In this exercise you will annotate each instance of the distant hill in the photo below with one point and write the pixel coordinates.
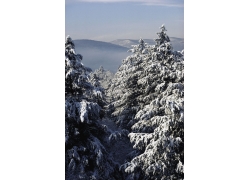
(99, 53)
(177, 43)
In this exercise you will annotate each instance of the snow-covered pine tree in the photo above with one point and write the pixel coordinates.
(85, 156)
(163, 37)
(148, 89)
(75, 73)
(104, 76)
(141, 48)
(98, 94)
(101, 79)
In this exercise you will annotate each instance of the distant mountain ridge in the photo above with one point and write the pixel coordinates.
(87, 43)
(178, 43)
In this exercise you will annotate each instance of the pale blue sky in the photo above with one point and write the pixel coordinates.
(107, 20)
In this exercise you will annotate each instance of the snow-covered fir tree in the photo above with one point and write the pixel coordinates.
(163, 37)
(141, 48)
(98, 92)
(101, 80)
(104, 76)
(148, 92)
(85, 155)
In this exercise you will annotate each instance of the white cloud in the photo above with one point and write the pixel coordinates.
(177, 3)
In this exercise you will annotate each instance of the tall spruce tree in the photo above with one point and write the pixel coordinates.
(85, 155)
(148, 92)
(124, 88)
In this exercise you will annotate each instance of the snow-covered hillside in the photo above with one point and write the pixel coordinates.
(127, 126)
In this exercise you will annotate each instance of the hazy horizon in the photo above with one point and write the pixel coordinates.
(109, 41)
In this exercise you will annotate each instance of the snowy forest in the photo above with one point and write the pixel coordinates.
(128, 125)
